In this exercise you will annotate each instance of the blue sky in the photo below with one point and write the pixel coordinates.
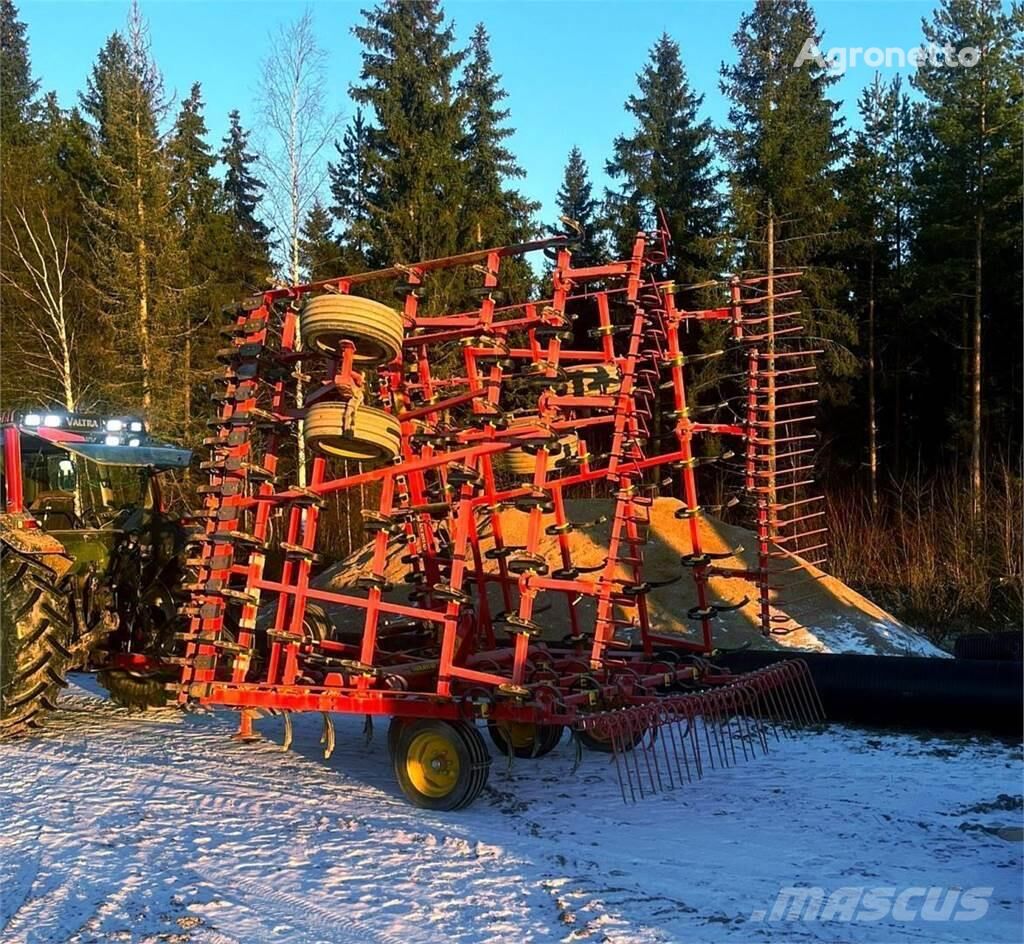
(567, 66)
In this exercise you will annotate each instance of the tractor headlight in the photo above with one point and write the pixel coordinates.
(136, 426)
(114, 426)
(133, 442)
(52, 420)
(113, 440)
(32, 419)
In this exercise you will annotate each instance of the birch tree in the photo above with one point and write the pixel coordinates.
(298, 127)
(42, 279)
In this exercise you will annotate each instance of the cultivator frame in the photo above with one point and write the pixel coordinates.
(506, 426)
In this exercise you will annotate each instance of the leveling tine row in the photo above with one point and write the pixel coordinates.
(668, 740)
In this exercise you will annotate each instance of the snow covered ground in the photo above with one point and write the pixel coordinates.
(160, 828)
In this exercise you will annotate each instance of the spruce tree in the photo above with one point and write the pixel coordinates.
(666, 164)
(494, 212)
(17, 87)
(969, 246)
(576, 202)
(207, 255)
(318, 250)
(350, 191)
(417, 179)
(139, 265)
(243, 192)
(783, 142)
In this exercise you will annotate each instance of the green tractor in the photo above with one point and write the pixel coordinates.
(90, 561)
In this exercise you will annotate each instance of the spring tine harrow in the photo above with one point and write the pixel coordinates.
(649, 739)
(438, 426)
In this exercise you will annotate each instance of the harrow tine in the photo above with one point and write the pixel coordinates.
(650, 747)
(742, 723)
(286, 744)
(578, 752)
(817, 707)
(327, 738)
(755, 701)
(368, 730)
(672, 731)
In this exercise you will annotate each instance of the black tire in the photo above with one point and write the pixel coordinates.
(543, 739)
(131, 690)
(35, 641)
(440, 765)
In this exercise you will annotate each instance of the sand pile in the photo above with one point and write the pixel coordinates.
(822, 613)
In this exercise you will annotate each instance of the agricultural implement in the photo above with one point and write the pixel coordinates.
(451, 419)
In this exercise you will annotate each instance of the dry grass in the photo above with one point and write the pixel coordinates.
(923, 555)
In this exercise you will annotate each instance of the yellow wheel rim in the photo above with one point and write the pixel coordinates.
(520, 734)
(432, 763)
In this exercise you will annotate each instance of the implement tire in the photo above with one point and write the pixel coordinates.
(35, 641)
(365, 434)
(597, 380)
(130, 690)
(522, 463)
(374, 329)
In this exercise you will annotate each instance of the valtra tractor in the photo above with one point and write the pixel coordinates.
(90, 562)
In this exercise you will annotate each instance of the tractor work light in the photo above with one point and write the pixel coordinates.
(52, 420)
(112, 441)
(133, 441)
(136, 426)
(115, 426)
(32, 419)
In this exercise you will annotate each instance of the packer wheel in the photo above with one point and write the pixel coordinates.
(523, 739)
(440, 765)
(374, 329)
(362, 433)
(599, 380)
(520, 462)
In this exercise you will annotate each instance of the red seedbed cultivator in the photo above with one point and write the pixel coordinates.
(455, 419)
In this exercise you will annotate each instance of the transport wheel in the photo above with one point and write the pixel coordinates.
(598, 380)
(522, 739)
(520, 462)
(362, 433)
(374, 329)
(35, 641)
(440, 765)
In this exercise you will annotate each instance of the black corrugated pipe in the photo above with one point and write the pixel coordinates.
(1007, 645)
(908, 691)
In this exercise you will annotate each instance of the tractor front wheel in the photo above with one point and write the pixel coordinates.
(35, 641)
(132, 690)
(440, 765)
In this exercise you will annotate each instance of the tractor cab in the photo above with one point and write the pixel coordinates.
(66, 472)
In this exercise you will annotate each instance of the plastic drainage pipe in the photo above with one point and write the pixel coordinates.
(907, 691)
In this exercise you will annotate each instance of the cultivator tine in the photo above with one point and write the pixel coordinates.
(327, 738)
(286, 744)
(368, 730)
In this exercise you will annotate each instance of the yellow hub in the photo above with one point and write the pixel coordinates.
(432, 763)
